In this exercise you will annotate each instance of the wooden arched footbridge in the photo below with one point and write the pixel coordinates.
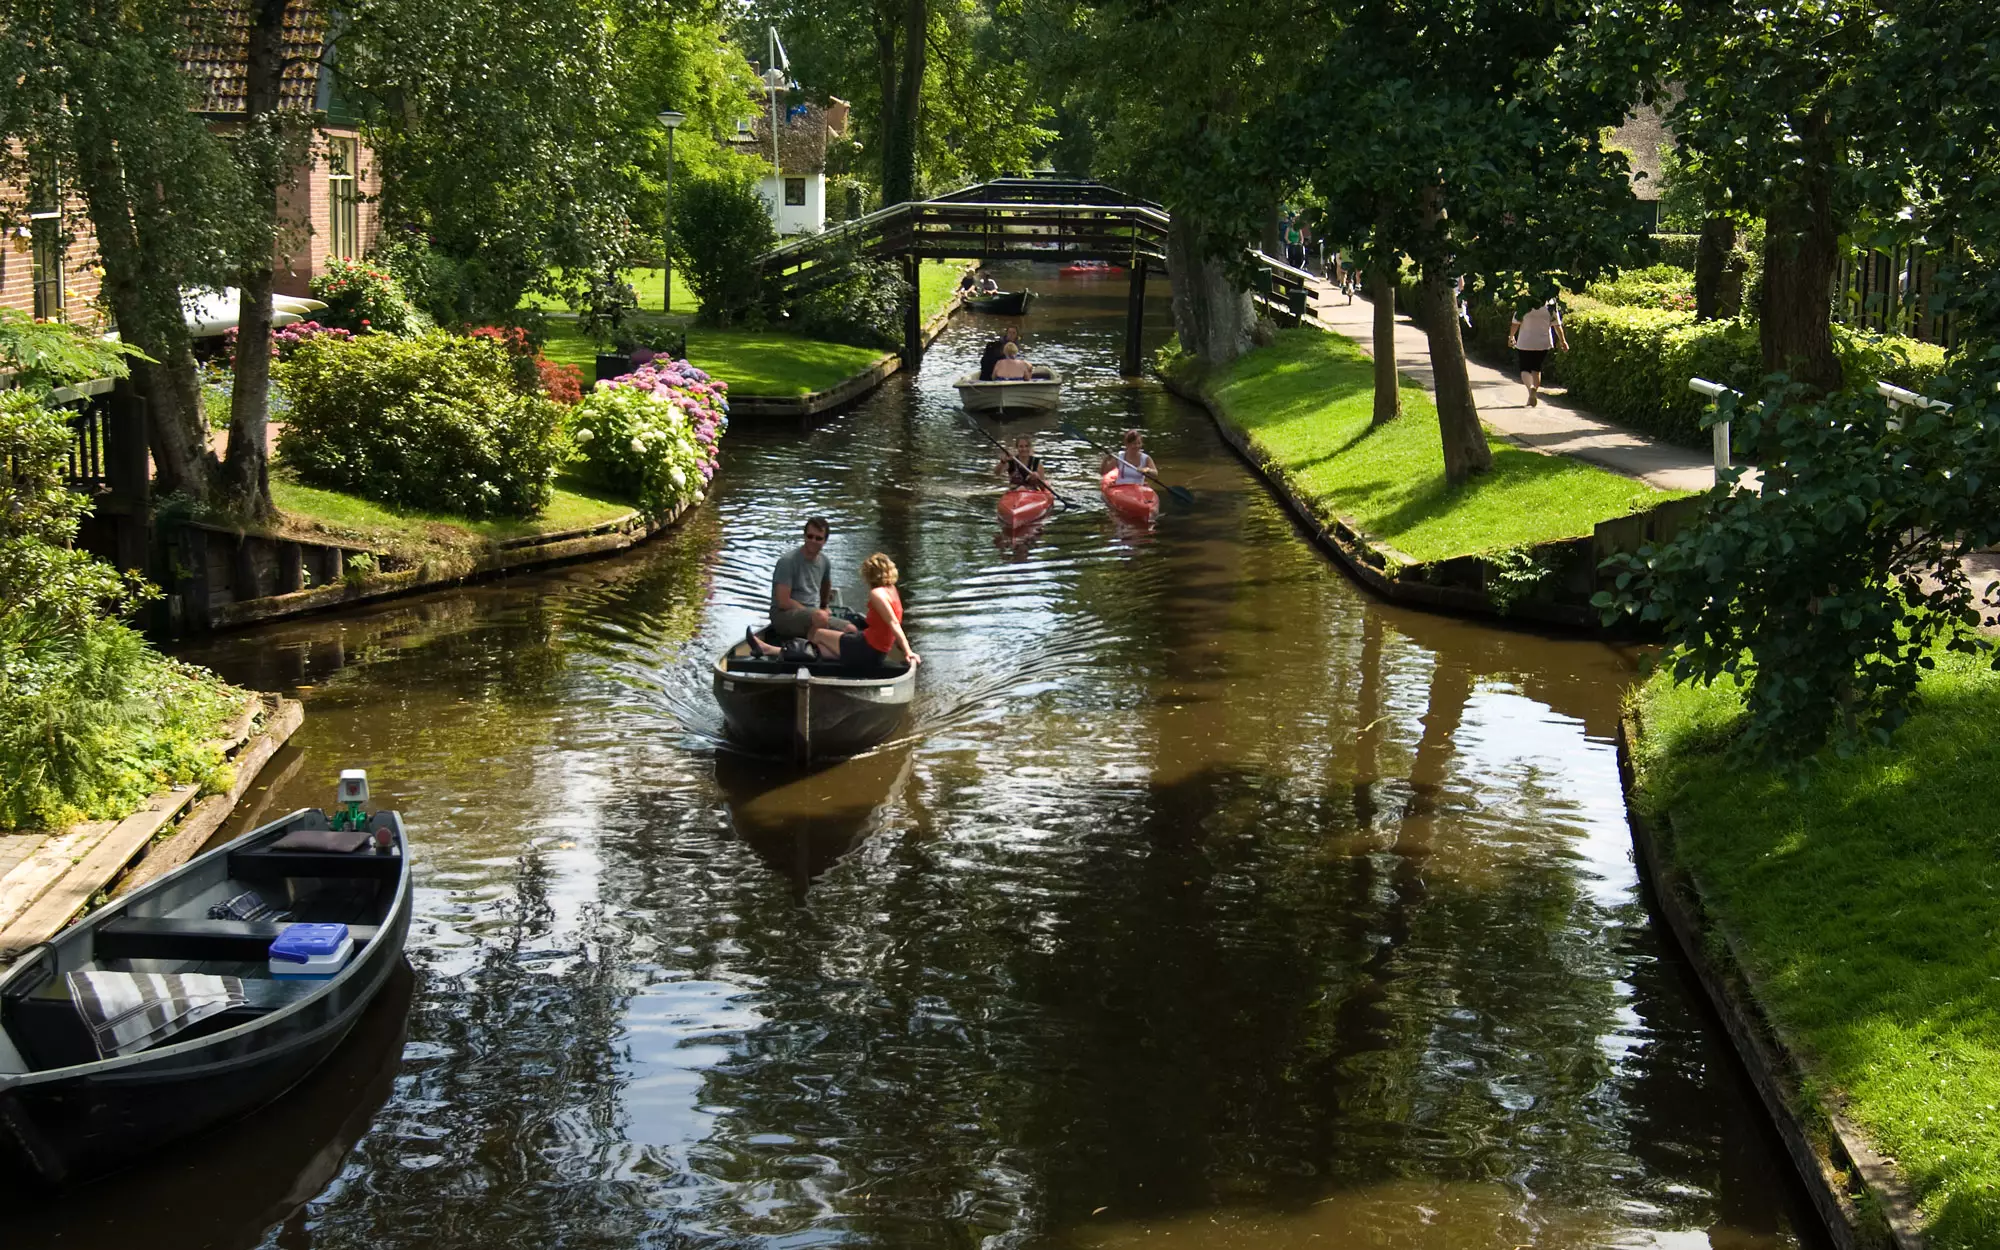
(1038, 219)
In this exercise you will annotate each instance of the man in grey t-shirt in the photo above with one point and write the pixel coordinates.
(802, 587)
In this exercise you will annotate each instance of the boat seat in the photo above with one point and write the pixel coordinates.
(264, 865)
(818, 668)
(50, 1033)
(221, 941)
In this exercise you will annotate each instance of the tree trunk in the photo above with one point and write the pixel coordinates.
(149, 316)
(246, 483)
(1801, 253)
(1711, 266)
(1465, 449)
(1388, 386)
(899, 152)
(1212, 315)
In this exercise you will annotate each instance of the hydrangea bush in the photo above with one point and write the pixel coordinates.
(362, 296)
(652, 434)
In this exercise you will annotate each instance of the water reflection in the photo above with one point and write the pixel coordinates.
(1206, 899)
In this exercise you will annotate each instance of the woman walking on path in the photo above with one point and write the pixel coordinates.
(1532, 335)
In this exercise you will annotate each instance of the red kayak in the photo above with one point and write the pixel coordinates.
(1024, 506)
(1091, 268)
(1135, 502)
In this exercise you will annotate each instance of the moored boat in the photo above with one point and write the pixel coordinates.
(1023, 506)
(1134, 501)
(1041, 393)
(809, 711)
(999, 303)
(202, 995)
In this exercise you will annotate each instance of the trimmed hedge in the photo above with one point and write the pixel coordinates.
(1678, 250)
(1631, 365)
(440, 422)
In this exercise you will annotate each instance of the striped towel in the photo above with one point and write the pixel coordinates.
(129, 1011)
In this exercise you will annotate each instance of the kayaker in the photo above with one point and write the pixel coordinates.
(802, 587)
(994, 351)
(1011, 367)
(1023, 469)
(1131, 461)
(871, 648)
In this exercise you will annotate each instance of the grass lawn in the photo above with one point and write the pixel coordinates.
(1865, 905)
(756, 362)
(645, 284)
(1306, 400)
(412, 534)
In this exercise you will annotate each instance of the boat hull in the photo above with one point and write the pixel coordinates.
(1004, 304)
(69, 1123)
(1133, 502)
(1024, 507)
(824, 716)
(1036, 395)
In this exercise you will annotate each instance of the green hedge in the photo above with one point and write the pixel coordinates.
(1631, 365)
(439, 422)
(1678, 250)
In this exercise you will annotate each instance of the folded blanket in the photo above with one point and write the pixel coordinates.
(129, 1011)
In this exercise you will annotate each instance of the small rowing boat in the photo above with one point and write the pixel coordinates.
(1023, 506)
(1091, 269)
(1041, 393)
(999, 303)
(1134, 501)
(203, 995)
(818, 710)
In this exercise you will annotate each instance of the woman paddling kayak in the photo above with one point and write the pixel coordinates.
(1124, 480)
(1029, 496)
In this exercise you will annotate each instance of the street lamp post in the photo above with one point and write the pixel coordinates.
(672, 121)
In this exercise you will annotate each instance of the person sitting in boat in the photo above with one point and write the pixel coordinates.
(1011, 366)
(987, 286)
(1131, 461)
(995, 350)
(966, 283)
(868, 649)
(1023, 468)
(802, 588)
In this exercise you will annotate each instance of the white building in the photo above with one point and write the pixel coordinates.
(796, 193)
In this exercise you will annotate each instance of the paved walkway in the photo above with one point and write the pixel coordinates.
(1555, 426)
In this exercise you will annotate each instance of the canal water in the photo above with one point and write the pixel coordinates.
(1207, 903)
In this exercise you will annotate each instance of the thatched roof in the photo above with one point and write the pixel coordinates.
(218, 51)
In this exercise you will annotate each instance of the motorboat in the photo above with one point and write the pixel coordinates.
(815, 710)
(1040, 393)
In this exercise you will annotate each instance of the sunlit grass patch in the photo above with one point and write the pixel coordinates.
(1867, 905)
(1307, 400)
(411, 533)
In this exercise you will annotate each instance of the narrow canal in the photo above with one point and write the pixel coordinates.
(1210, 903)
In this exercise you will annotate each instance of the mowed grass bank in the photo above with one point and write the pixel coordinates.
(761, 362)
(1306, 401)
(415, 535)
(1866, 905)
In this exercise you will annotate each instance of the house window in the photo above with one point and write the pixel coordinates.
(45, 263)
(742, 125)
(795, 192)
(343, 200)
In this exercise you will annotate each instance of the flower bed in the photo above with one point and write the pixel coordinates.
(652, 434)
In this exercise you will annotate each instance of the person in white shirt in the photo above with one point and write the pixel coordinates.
(1532, 335)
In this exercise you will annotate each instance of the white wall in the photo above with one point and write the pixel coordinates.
(809, 218)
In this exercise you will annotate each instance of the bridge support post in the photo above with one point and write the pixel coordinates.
(1135, 318)
(913, 316)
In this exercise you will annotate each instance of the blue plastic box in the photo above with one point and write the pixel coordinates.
(311, 952)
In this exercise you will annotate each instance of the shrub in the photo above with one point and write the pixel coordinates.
(863, 305)
(532, 370)
(652, 434)
(285, 338)
(39, 571)
(441, 287)
(361, 296)
(1657, 286)
(721, 227)
(439, 422)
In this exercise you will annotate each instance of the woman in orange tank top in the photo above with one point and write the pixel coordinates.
(871, 647)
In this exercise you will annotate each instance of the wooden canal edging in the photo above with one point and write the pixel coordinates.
(44, 891)
(1464, 585)
(1858, 1193)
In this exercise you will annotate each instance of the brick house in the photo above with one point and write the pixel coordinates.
(328, 207)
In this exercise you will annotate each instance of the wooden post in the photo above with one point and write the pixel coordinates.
(913, 317)
(1135, 318)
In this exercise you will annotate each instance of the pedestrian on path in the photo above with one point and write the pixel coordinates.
(1295, 242)
(1532, 335)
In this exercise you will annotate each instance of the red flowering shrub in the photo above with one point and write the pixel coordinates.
(362, 296)
(562, 383)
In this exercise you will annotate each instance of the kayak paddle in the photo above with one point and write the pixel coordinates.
(1060, 498)
(1181, 494)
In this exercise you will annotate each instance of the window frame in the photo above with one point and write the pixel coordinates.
(343, 198)
(801, 184)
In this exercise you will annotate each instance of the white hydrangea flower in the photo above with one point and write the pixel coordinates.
(678, 478)
(584, 436)
(639, 446)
